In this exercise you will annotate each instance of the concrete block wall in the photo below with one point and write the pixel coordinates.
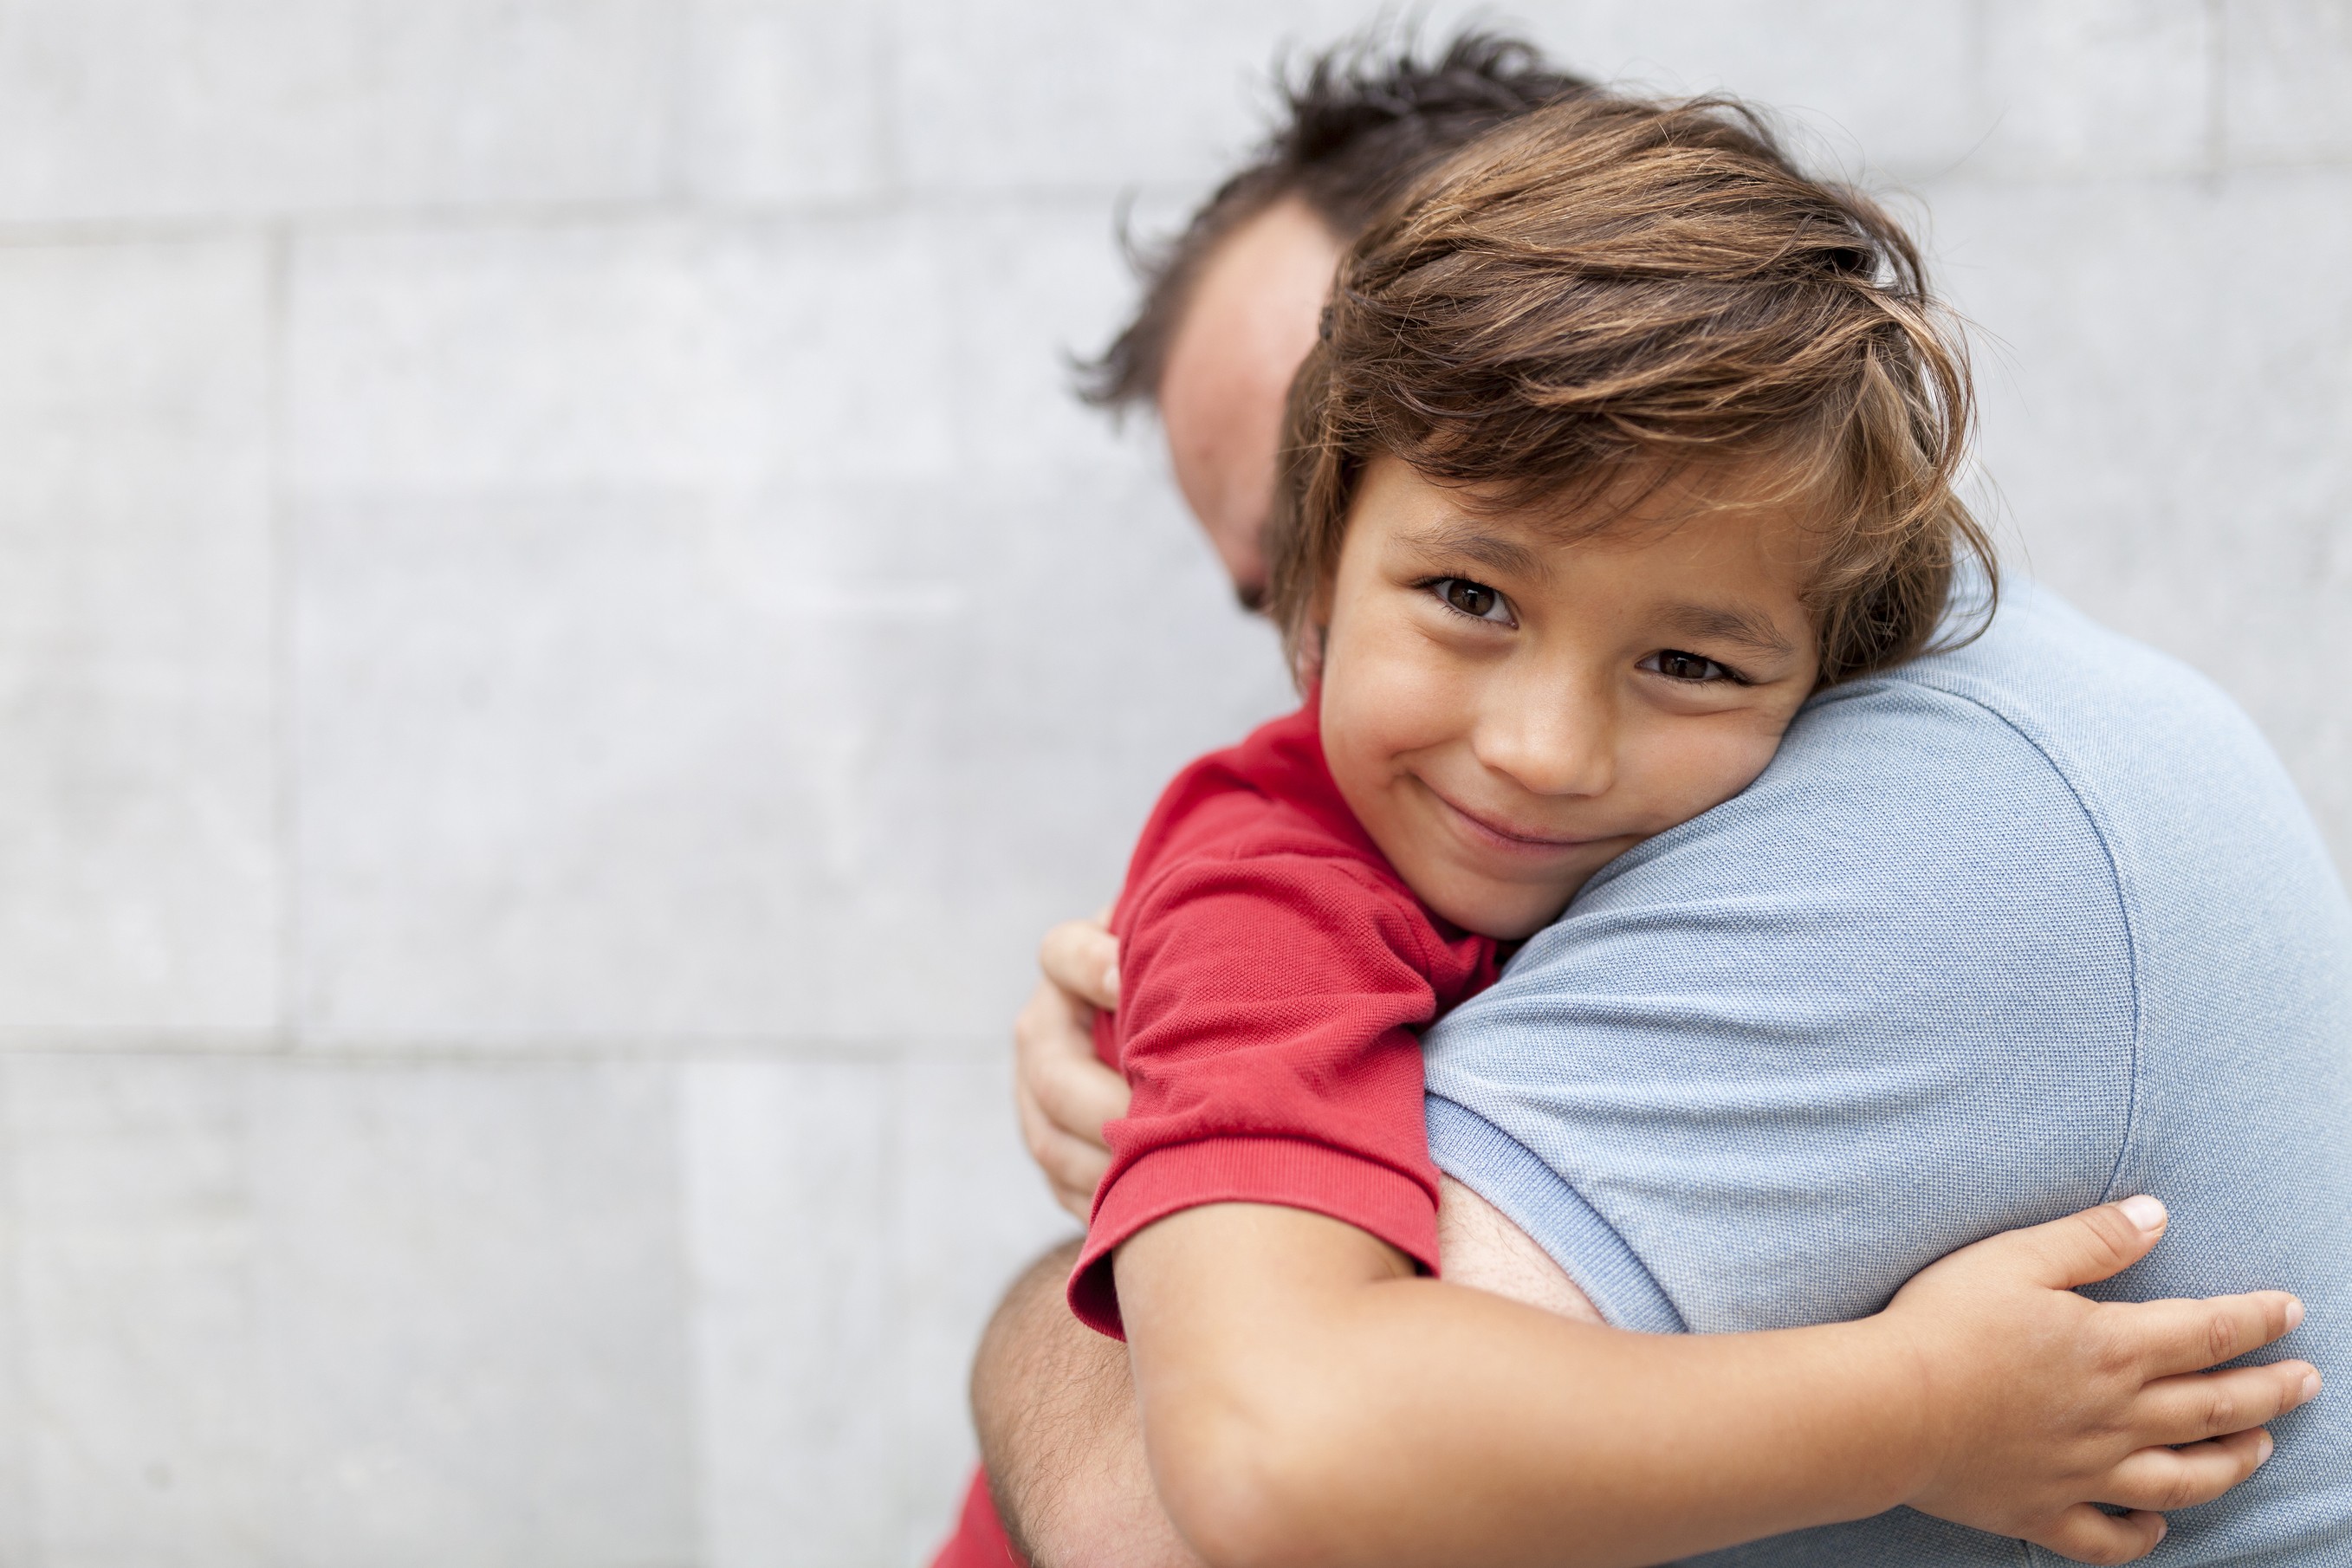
(560, 637)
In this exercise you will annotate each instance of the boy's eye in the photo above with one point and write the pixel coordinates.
(1675, 665)
(1475, 600)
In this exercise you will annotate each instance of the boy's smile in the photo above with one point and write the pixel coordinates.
(1507, 705)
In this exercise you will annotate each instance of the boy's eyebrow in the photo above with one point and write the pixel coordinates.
(1730, 623)
(1461, 538)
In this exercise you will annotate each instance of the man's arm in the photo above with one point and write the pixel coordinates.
(1053, 1401)
(1060, 1437)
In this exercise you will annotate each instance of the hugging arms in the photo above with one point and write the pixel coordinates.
(1945, 968)
(1470, 1427)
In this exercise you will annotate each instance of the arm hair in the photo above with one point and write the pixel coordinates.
(1060, 1437)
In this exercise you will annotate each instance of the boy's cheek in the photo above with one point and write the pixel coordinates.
(1387, 700)
(1694, 775)
(1361, 738)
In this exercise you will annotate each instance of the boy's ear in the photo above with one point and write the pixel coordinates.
(1308, 674)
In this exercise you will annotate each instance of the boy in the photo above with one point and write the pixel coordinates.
(1558, 565)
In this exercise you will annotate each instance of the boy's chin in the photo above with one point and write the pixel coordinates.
(1503, 918)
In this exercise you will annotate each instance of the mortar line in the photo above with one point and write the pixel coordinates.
(651, 1048)
(895, 201)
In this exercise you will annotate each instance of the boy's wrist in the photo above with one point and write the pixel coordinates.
(1904, 1450)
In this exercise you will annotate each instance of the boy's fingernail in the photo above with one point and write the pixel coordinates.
(2268, 1448)
(2310, 1386)
(2294, 1313)
(2163, 1528)
(2144, 1212)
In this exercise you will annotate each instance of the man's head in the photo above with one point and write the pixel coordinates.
(1230, 307)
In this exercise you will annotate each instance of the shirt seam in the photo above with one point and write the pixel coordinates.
(2122, 908)
(1598, 1284)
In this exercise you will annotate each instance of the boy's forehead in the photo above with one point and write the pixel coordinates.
(1713, 511)
(1638, 499)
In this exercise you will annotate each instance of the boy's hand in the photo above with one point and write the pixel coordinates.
(2039, 1403)
(1063, 1092)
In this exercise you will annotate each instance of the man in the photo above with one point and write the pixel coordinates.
(1999, 934)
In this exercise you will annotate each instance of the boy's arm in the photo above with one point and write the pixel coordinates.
(1553, 1466)
(1305, 1398)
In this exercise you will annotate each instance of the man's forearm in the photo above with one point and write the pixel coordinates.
(1060, 1436)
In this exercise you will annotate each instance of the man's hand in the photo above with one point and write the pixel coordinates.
(1063, 1090)
(2042, 1402)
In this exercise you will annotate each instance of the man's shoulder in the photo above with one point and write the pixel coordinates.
(2062, 729)
(2040, 688)
(2044, 692)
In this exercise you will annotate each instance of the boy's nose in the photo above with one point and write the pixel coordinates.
(1551, 744)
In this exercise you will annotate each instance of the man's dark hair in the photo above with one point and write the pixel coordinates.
(1362, 122)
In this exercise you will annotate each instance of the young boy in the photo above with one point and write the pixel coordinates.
(1623, 439)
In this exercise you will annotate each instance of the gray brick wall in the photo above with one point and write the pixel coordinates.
(560, 638)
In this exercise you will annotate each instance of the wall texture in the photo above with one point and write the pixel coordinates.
(560, 638)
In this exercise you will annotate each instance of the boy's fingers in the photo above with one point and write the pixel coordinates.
(2188, 1336)
(2092, 1245)
(1082, 958)
(2087, 1535)
(2198, 1405)
(2180, 1478)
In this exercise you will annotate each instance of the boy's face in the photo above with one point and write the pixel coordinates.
(1506, 710)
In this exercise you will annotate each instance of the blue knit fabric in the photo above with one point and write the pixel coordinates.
(2005, 933)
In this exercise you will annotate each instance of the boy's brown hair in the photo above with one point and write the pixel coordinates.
(1610, 288)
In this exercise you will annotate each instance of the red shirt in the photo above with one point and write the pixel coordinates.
(979, 1541)
(1274, 973)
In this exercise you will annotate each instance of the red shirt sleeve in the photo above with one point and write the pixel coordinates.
(1268, 1006)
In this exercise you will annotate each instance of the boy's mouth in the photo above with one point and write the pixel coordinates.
(1509, 837)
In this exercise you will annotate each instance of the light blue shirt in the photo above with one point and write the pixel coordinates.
(2005, 933)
